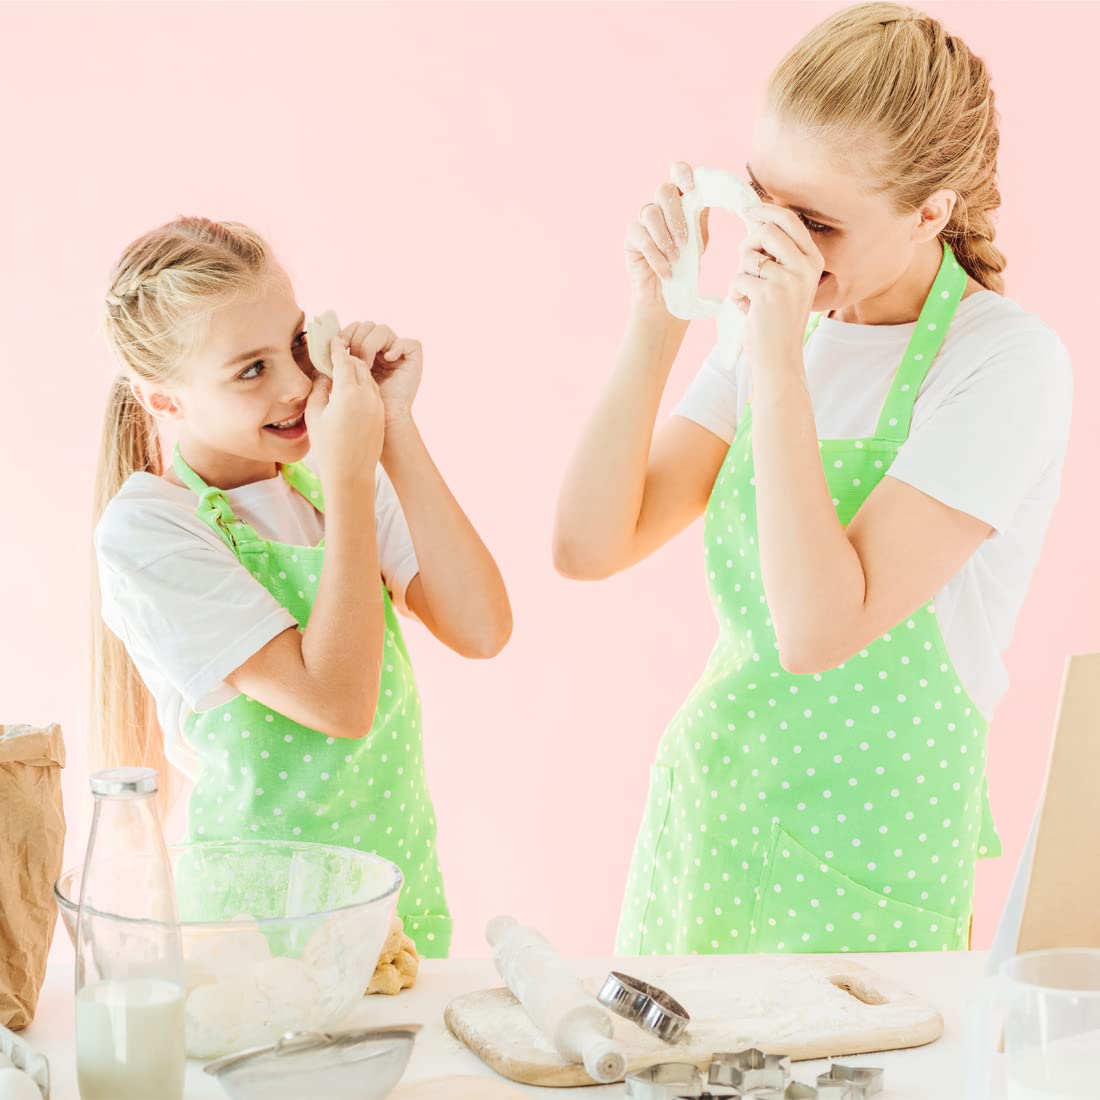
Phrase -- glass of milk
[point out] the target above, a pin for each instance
(129, 964)
(1050, 1015)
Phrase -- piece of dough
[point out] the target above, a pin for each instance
(398, 964)
(727, 191)
(319, 334)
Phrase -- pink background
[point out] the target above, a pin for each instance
(465, 173)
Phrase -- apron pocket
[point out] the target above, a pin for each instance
(804, 905)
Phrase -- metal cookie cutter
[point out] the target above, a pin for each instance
(667, 1081)
(797, 1091)
(752, 1069)
(645, 1005)
(860, 1081)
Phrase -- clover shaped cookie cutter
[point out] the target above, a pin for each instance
(725, 191)
(652, 1009)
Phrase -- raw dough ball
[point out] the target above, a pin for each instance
(398, 964)
(217, 1016)
(16, 1085)
(225, 954)
(5, 1061)
(285, 981)
(319, 334)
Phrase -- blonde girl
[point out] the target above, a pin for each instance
(246, 630)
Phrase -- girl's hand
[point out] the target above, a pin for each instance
(778, 299)
(345, 419)
(653, 240)
(396, 364)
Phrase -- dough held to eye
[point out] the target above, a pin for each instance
(713, 189)
(319, 334)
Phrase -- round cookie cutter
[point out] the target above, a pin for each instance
(652, 1009)
(725, 191)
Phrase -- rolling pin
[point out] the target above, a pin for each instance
(557, 1003)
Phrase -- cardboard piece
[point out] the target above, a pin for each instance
(32, 841)
(1062, 896)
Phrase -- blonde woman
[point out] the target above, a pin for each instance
(877, 473)
(247, 626)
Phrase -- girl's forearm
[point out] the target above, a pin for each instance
(604, 486)
(812, 575)
(343, 642)
(461, 583)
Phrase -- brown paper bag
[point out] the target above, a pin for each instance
(32, 839)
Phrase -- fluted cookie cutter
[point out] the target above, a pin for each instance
(667, 1081)
(861, 1082)
(713, 188)
(751, 1070)
(645, 1005)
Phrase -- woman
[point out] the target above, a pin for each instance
(872, 517)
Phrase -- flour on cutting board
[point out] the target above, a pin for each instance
(781, 1004)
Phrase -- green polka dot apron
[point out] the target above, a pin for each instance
(840, 811)
(265, 776)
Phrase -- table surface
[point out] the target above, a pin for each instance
(933, 1072)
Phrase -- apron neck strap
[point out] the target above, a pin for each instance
(928, 336)
(299, 476)
(214, 508)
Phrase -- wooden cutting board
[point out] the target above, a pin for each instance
(807, 1007)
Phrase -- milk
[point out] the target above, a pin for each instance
(1065, 1069)
(129, 1040)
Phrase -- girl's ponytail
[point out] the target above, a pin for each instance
(162, 291)
(124, 729)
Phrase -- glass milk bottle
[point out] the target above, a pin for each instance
(129, 966)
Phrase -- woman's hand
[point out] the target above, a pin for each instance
(778, 299)
(653, 239)
(345, 419)
(396, 364)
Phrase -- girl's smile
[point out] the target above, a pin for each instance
(292, 428)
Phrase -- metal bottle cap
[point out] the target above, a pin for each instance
(124, 781)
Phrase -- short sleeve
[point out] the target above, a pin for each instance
(176, 595)
(983, 448)
(396, 554)
(712, 398)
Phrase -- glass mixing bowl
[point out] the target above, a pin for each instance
(277, 935)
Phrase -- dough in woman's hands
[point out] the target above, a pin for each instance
(398, 964)
(726, 191)
(319, 334)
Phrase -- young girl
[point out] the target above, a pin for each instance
(873, 516)
(250, 598)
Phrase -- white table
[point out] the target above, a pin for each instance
(926, 1073)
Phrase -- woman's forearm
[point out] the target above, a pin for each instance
(812, 575)
(343, 642)
(604, 486)
(462, 586)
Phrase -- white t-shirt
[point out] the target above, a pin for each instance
(988, 437)
(187, 611)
